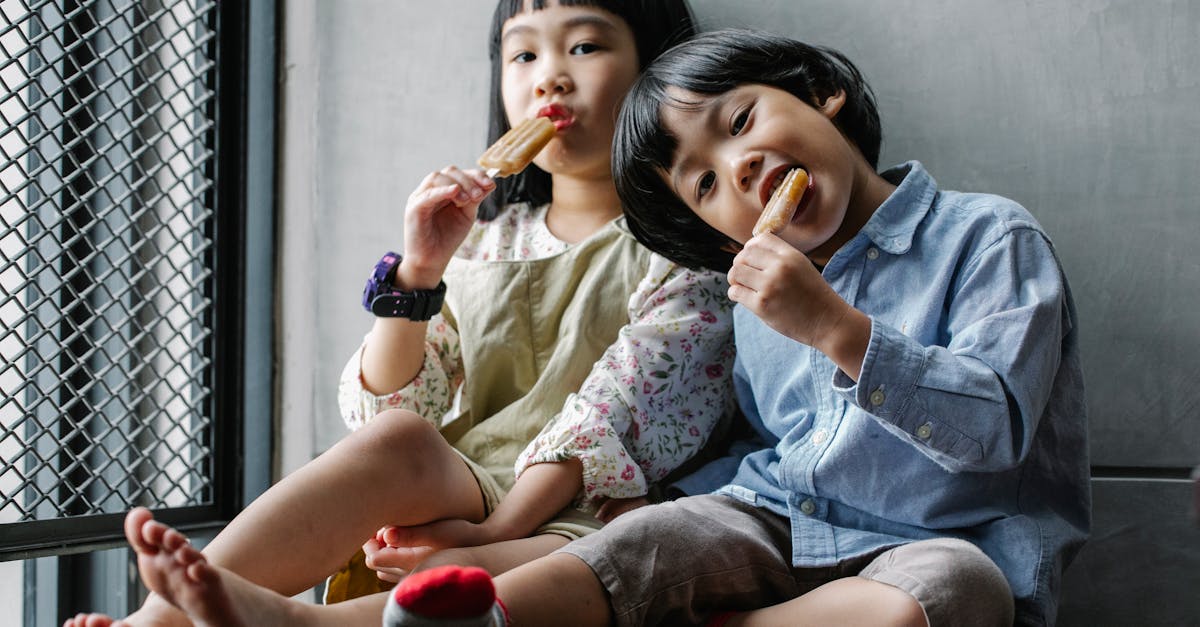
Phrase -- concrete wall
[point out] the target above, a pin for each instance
(1082, 110)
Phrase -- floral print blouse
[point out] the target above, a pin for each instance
(649, 403)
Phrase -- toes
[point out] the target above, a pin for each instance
(153, 532)
(172, 540)
(187, 555)
(135, 520)
(203, 572)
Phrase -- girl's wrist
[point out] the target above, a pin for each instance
(411, 275)
(495, 529)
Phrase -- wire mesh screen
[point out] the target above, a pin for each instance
(107, 133)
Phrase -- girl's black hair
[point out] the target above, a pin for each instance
(656, 25)
(711, 64)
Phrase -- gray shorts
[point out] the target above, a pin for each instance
(678, 563)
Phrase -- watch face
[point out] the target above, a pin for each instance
(380, 279)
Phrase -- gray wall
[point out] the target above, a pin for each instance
(1079, 109)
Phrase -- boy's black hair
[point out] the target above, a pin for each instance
(711, 64)
(656, 25)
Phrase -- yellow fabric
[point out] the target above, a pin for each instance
(530, 333)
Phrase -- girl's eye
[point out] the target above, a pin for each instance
(584, 48)
(705, 184)
(739, 122)
(523, 57)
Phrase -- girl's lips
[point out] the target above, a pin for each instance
(560, 115)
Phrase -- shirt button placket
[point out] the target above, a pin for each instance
(808, 507)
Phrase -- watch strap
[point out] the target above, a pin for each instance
(418, 305)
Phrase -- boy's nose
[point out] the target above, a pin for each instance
(744, 167)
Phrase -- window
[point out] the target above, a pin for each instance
(135, 306)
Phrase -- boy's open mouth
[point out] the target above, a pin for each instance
(772, 182)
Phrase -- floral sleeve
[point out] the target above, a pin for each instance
(429, 394)
(656, 394)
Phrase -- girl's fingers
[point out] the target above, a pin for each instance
(434, 198)
(473, 188)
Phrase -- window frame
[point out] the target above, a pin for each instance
(67, 565)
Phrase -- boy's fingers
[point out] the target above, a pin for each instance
(746, 276)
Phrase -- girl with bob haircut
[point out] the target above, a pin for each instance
(588, 368)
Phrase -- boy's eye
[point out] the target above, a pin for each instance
(523, 57)
(584, 48)
(739, 122)
(705, 184)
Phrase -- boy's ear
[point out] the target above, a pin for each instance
(832, 104)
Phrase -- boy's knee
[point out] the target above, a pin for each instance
(954, 581)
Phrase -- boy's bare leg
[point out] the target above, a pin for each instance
(850, 601)
(396, 470)
(498, 557)
(543, 592)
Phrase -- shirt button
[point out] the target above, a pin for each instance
(808, 507)
(924, 431)
(872, 254)
(877, 397)
(820, 436)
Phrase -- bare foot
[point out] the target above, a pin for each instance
(156, 613)
(89, 620)
(211, 596)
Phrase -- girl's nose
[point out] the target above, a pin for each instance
(553, 83)
(744, 167)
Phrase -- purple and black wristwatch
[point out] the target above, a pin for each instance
(385, 300)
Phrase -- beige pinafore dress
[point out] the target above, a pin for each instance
(530, 334)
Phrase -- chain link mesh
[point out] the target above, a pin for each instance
(107, 138)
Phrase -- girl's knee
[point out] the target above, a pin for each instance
(400, 429)
(399, 441)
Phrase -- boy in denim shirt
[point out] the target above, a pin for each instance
(907, 357)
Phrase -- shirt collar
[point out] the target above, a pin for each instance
(893, 224)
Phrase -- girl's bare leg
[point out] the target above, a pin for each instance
(211, 596)
(396, 470)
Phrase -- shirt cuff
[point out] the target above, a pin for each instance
(888, 380)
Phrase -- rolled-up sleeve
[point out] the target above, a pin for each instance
(430, 393)
(654, 397)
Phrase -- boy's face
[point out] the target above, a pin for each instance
(735, 148)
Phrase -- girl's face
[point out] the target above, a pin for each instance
(735, 148)
(573, 65)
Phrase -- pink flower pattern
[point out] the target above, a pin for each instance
(651, 400)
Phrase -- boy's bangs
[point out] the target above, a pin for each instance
(643, 151)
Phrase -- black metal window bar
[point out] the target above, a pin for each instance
(109, 309)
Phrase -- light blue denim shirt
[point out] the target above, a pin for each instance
(968, 417)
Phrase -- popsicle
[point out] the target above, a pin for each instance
(517, 148)
(783, 203)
